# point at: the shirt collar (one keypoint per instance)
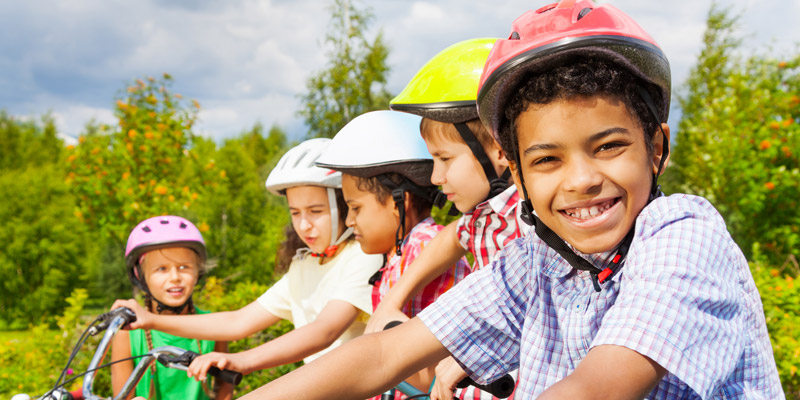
(503, 203)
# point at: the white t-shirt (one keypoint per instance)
(301, 294)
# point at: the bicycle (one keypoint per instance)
(501, 388)
(111, 322)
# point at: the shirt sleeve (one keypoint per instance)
(680, 301)
(480, 320)
(277, 299)
(353, 278)
(463, 230)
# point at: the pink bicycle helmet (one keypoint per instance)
(556, 32)
(158, 233)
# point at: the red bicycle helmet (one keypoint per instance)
(548, 36)
(556, 35)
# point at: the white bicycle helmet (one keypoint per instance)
(297, 168)
(377, 143)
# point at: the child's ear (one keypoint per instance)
(658, 148)
(498, 158)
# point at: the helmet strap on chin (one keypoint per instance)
(555, 242)
(496, 184)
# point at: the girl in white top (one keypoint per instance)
(325, 293)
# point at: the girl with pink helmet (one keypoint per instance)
(325, 291)
(165, 258)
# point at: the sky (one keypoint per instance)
(246, 61)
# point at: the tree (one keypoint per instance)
(738, 139)
(130, 172)
(354, 80)
(27, 142)
(44, 249)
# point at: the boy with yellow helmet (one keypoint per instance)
(473, 172)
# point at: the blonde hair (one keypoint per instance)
(433, 130)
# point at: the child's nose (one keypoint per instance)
(350, 221)
(582, 176)
(305, 224)
(438, 174)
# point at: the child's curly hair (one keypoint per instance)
(581, 77)
(419, 205)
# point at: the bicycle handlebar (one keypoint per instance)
(169, 356)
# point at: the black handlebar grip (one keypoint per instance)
(391, 324)
(226, 375)
(501, 388)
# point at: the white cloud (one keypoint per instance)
(246, 60)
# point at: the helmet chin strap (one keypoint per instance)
(558, 244)
(331, 250)
(399, 190)
(496, 184)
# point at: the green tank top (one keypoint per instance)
(172, 383)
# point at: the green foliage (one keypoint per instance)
(781, 297)
(130, 172)
(738, 141)
(31, 363)
(44, 248)
(27, 143)
(354, 80)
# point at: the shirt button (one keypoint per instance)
(478, 224)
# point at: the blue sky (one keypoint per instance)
(245, 61)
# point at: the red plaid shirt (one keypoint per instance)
(415, 241)
(483, 232)
(490, 226)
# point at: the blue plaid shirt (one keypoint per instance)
(684, 297)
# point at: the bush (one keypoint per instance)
(781, 297)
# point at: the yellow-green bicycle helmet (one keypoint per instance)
(445, 89)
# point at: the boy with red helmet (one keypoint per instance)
(623, 292)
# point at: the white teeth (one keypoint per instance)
(588, 212)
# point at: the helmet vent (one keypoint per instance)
(146, 229)
(164, 222)
(546, 8)
(182, 225)
(514, 36)
(583, 13)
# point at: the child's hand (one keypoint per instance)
(143, 317)
(382, 316)
(448, 374)
(199, 367)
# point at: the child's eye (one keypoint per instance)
(610, 146)
(544, 160)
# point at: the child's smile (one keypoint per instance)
(586, 168)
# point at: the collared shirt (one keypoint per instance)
(490, 226)
(684, 297)
(415, 241)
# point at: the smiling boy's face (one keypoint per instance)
(586, 168)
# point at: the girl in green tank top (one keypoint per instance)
(165, 257)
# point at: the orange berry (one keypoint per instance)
(786, 151)
(782, 64)
(775, 125)
(171, 198)
(203, 227)
(148, 135)
(129, 146)
(161, 190)
(769, 185)
(787, 122)
(765, 144)
(132, 133)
